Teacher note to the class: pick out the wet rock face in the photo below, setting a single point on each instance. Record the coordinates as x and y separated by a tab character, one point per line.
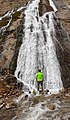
63	13
56	106
11	37
10	41
18	35
63	53
44	7
63	36
7	114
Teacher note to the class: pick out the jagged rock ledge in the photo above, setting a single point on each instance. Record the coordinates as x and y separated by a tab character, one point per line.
11	39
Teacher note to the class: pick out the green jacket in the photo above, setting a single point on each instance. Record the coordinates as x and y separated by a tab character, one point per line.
39	76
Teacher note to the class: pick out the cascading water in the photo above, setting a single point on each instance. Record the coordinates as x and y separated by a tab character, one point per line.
38	50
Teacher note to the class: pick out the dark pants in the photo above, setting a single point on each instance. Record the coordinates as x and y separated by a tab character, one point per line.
40	83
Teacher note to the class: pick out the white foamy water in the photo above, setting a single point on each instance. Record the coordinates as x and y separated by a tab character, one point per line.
52	5
34	113
38	50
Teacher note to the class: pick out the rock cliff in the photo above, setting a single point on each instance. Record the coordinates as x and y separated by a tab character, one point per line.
63	36
11	39
10	42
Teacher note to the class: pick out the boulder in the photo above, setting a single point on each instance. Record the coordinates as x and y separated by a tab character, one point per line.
10	79
9	102
51	106
34	92
2	105
46	91
26	96
10	105
1	48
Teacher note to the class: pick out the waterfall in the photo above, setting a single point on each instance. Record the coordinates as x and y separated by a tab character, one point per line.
38	50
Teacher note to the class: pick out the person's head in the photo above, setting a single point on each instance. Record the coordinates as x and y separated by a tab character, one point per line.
39	70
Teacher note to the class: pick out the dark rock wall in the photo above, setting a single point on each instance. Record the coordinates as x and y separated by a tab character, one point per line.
63	53
10	42
62	30
44	7
19	36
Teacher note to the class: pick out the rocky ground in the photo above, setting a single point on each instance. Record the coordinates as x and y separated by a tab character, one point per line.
42	107
15	104
9	89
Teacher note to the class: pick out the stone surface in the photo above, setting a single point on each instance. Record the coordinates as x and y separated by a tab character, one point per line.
8	41
63	13
8	90
51	106
7	5
62	30
44	7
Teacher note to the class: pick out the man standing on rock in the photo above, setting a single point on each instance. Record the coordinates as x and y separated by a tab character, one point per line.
39	79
